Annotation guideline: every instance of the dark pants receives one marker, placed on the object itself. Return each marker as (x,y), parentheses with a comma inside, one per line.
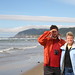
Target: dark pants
(51,70)
(68,71)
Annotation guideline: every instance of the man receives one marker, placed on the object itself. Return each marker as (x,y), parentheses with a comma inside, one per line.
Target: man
(68,55)
(52,53)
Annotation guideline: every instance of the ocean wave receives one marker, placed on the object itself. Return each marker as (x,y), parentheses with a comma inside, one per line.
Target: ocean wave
(8,50)
(16,38)
(5,50)
(22,48)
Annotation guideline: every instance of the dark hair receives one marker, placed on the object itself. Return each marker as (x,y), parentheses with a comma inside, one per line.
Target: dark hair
(54,27)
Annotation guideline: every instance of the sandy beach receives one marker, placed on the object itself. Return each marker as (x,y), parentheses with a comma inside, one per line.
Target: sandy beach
(37,70)
(20,68)
(20,56)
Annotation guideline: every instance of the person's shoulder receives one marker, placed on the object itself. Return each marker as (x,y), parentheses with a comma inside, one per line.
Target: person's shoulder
(73,46)
(64,46)
(62,40)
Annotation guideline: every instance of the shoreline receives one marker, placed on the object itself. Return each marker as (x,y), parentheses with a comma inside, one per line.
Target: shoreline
(16,68)
(37,70)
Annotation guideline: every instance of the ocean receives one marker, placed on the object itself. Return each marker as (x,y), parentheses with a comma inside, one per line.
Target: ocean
(15,50)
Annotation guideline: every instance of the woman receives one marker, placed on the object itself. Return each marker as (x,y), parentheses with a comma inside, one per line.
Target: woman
(68,56)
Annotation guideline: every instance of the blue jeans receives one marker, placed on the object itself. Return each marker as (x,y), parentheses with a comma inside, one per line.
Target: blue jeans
(68,71)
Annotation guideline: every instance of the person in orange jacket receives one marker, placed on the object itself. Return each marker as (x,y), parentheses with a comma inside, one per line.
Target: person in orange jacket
(52,52)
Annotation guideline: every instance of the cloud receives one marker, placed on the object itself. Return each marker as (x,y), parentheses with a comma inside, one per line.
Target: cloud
(38,18)
(72,2)
(34,18)
(18,29)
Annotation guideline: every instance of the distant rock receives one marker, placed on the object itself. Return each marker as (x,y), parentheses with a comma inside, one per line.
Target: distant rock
(37,32)
(30,33)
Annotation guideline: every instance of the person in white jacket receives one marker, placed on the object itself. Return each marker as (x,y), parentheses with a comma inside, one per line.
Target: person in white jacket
(67,63)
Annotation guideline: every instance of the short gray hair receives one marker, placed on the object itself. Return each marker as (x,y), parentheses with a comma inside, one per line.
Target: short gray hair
(69,34)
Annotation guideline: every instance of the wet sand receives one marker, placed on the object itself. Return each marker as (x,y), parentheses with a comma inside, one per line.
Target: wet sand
(37,70)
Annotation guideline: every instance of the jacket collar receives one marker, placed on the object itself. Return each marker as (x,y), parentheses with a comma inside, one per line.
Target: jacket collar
(73,46)
(64,46)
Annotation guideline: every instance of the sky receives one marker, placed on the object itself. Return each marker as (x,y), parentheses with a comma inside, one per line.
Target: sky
(19,15)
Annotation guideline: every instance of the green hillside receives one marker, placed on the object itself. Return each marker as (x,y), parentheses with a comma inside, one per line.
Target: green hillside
(34,32)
